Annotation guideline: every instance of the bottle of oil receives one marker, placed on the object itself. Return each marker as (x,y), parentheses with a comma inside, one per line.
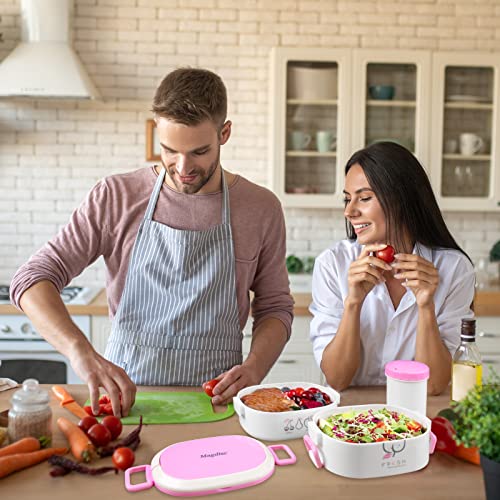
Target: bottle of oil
(467,368)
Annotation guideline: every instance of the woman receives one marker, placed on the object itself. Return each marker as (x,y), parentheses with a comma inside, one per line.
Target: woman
(368,312)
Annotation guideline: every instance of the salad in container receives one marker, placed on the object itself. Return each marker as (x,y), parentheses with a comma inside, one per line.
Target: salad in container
(369,440)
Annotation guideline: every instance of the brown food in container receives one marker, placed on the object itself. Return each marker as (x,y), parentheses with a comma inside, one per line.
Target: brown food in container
(269,399)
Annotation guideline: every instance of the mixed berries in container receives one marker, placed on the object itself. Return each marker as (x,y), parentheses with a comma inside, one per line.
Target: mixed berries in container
(308,398)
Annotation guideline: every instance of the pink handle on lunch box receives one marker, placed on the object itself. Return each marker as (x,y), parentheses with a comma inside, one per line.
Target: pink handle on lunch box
(313,452)
(433,442)
(139,486)
(282,461)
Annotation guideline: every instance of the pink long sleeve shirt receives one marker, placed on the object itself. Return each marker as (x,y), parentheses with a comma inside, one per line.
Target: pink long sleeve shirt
(107,221)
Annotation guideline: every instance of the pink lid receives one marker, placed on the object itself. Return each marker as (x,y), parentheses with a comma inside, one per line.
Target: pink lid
(409,371)
(212,457)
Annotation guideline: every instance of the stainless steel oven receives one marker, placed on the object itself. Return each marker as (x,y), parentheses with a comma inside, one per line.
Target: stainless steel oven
(25,354)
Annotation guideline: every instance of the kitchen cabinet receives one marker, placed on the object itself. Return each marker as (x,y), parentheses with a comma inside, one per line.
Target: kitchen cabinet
(403,115)
(309,132)
(296,362)
(325,104)
(465,130)
(488,341)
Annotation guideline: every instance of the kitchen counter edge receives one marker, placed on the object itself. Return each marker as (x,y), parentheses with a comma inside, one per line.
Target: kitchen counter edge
(486,303)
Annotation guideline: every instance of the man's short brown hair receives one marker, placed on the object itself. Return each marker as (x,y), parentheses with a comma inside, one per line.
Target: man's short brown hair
(191,96)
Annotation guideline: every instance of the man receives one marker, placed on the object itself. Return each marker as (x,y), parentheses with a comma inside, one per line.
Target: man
(183,245)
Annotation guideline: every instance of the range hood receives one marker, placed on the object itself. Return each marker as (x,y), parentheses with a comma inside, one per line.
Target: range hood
(44,63)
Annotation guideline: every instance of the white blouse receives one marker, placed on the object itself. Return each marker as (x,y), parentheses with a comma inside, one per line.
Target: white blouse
(387,334)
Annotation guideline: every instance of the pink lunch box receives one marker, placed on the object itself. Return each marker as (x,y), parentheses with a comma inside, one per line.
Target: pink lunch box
(209,465)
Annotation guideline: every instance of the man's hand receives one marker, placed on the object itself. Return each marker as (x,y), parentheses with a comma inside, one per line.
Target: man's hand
(97,372)
(232,381)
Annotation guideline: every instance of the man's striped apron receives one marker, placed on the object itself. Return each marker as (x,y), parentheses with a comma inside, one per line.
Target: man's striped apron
(177,322)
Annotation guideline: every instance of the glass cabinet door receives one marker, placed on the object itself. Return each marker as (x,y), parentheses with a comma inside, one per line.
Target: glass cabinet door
(307,137)
(464,147)
(391,100)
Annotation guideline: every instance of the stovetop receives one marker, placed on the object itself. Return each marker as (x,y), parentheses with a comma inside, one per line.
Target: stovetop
(71,295)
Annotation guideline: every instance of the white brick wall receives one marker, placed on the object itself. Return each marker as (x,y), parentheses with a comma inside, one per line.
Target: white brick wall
(52,152)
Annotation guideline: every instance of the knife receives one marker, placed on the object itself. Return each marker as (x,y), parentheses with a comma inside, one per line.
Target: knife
(68,402)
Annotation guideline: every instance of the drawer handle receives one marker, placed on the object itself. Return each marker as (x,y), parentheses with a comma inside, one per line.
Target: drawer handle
(287,361)
(491,361)
(488,335)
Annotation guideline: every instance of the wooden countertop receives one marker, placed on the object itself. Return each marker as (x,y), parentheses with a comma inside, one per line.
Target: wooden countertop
(486,303)
(98,307)
(444,477)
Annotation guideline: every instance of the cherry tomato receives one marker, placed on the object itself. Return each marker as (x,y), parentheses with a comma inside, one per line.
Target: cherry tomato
(314,390)
(208,387)
(87,422)
(308,395)
(299,391)
(123,458)
(88,409)
(104,399)
(291,393)
(113,424)
(107,409)
(99,435)
(386,254)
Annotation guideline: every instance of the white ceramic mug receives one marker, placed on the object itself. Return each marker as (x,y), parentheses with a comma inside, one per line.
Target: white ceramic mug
(325,141)
(299,140)
(470,144)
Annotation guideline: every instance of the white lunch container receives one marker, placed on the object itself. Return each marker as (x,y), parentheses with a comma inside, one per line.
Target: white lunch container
(276,426)
(366,460)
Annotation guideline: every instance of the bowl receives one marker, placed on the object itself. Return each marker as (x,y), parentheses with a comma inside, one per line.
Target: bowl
(312,82)
(366,460)
(276,426)
(381,92)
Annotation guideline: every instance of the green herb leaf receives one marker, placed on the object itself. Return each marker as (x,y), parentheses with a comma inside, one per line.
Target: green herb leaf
(478,418)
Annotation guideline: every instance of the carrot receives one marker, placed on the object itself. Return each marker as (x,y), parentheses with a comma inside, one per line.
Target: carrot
(468,454)
(24,445)
(19,461)
(81,446)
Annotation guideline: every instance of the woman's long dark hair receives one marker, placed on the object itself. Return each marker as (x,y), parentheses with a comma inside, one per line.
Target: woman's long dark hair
(405,195)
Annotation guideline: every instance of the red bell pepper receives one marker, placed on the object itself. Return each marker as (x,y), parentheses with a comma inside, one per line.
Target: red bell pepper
(468,454)
(444,431)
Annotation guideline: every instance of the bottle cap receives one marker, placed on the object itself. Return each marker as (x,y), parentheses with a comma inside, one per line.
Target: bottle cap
(409,371)
(468,329)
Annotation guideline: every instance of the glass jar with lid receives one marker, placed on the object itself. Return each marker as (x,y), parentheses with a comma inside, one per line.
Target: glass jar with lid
(30,414)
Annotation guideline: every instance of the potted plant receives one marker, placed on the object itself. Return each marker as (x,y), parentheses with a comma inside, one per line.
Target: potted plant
(495,255)
(478,424)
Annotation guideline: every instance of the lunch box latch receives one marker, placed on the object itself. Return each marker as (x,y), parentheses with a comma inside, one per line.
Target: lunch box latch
(282,461)
(139,486)
(314,453)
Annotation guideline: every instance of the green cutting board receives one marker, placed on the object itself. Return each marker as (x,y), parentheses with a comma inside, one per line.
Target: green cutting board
(174,408)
